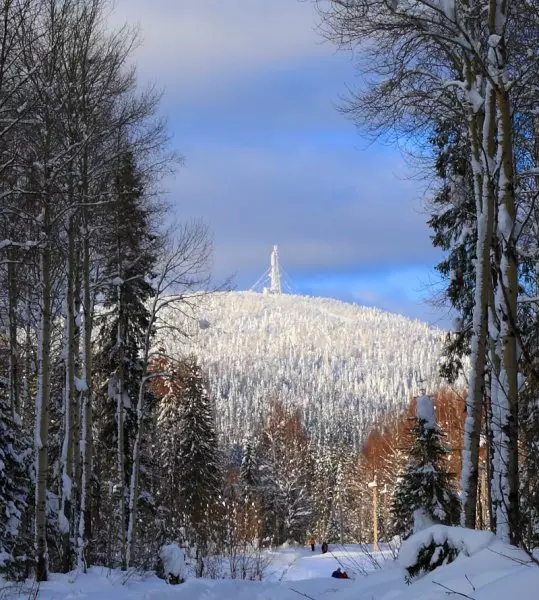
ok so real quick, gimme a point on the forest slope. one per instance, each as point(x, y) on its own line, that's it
point(342, 364)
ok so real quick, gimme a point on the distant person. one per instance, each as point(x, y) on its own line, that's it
point(324, 547)
point(338, 574)
point(312, 541)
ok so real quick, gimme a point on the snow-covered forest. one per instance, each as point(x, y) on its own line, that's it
point(152, 426)
point(343, 365)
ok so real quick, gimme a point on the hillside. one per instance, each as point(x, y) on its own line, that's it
point(343, 364)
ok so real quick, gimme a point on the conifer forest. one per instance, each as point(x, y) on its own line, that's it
point(149, 411)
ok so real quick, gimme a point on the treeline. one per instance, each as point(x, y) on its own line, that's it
point(457, 79)
point(87, 271)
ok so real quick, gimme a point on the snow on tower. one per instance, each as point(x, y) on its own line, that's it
point(275, 276)
point(274, 280)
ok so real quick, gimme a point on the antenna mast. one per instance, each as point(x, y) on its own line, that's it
point(275, 276)
point(275, 280)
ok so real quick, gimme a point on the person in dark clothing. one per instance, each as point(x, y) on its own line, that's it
point(338, 574)
point(324, 547)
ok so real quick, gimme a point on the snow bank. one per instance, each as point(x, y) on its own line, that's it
point(465, 541)
point(492, 571)
point(173, 559)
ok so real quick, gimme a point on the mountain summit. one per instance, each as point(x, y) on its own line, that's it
point(344, 365)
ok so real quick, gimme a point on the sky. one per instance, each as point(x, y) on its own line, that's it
point(250, 92)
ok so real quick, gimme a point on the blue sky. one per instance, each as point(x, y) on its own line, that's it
point(250, 93)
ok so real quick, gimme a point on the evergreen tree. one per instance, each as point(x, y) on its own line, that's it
point(129, 246)
point(130, 259)
point(14, 491)
point(198, 462)
point(249, 471)
point(425, 483)
point(165, 447)
point(286, 475)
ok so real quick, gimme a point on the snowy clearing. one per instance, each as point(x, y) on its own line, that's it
point(495, 572)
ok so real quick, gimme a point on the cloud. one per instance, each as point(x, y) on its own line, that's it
point(196, 42)
point(250, 94)
point(324, 208)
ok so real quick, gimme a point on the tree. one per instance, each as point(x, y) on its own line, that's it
point(199, 475)
point(425, 484)
point(14, 492)
point(179, 276)
point(249, 469)
point(126, 321)
point(433, 65)
point(286, 474)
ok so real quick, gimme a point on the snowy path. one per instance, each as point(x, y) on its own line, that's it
point(497, 572)
point(293, 573)
point(297, 564)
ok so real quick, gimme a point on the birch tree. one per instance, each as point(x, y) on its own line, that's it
point(433, 58)
point(180, 275)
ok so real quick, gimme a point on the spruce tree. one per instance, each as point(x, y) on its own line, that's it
point(198, 462)
point(168, 416)
point(425, 483)
point(249, 472)
point(129, 255)
point(14, 492)
point(286, 476)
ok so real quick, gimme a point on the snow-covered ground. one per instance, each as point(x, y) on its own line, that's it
point(493, 572)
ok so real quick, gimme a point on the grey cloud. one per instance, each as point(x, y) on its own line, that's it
point(249, 91)
point(197, 41)
point(325, 210)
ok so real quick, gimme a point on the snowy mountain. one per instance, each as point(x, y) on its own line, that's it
point(342, 364)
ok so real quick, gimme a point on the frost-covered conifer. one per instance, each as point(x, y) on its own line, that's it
point(286, 475)
point(425, 483)
point(199, 473)
point(14, 490)
point(249, 471)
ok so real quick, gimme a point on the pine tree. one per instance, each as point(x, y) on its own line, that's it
point(14, 492)
point(425, 483)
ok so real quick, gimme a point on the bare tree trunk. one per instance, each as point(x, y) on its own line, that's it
point(134, 484)
point(506, 301)
point(13, 345)
point(70, 412)
point(86, 446)
point(42, 406)
point(489, 459)
point(120, 418)
point(483, 141)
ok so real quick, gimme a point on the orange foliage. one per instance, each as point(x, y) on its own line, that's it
point(392, 435)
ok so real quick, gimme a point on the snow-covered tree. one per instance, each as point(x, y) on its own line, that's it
point(249, 469)
point(286, 475)
point(198, 461)
point(434, 70)
point(424, 485)
point(14, 491)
